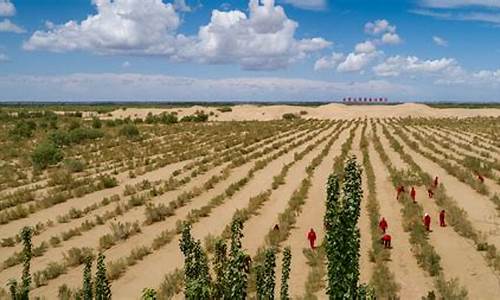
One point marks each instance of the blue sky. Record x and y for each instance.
(289, 50)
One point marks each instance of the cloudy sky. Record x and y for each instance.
(249, 50)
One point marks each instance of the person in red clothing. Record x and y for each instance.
(383, 225)
(441, 218)
(311, 236)
(413, 194)
(427, 222)
(386, 240)
(430, 192)
(400, 190)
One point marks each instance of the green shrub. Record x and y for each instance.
(96, 123)
(46, 154)
(74, 165)
(290, 116)
(225, 109)
(107, 181)
(77, 256)
(129, 131)
(8, 242)
(23, 129)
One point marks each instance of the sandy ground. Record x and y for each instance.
(328, 111)
(459, 256)
(413, 280)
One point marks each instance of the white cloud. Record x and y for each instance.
(3, 58)
(7, 26)
(7, 8)
(180, 5)
(263, 39)
(328, 62)
(412, 65)
(357, 61)
(384, 29)
(440, 41)
(126, 64)
(120, 26)
(365, 47)
(307, 4)
(379, 27)
(364, 53)
(391, 38)
(487, 75)
(459, 3)
(139, 87)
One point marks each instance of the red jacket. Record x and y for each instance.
(413, 193)
(427, 220)
(383, 224)
(311, 235)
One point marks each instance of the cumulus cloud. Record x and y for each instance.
(7, 26)
(7, 8)
(120, 26)
(181, 5)
(412, 65)
(364, 53)
(384, 29)
(3, 58)
(307, 4)
(391, 38)
(440, 41)
(328, 62)
(263, 39)
(134, 87)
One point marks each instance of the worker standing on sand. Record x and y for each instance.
(441, 219)
(383, 225)
(413, 194)
(427, 222)
(386, 240)
(311, 236)
(430, 192)
(400, 190)
(436, 182)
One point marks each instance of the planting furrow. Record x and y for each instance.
(382, 278)
(303, 258)
(257, 227)
(365, 267)
(170, 249)
(481, 211)
(465, 158)
(457, 217)
(220, 217)
(458, 257)
(470, 148)
(311, 216)
(188, 167)
(136, 213)
(413, 281)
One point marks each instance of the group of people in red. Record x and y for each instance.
(383, 225)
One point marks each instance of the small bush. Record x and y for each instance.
(77, 256)
(129, 131)
(46, 154)
(8, 242)
(107, 181)
(290, 116)
(74, 165)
